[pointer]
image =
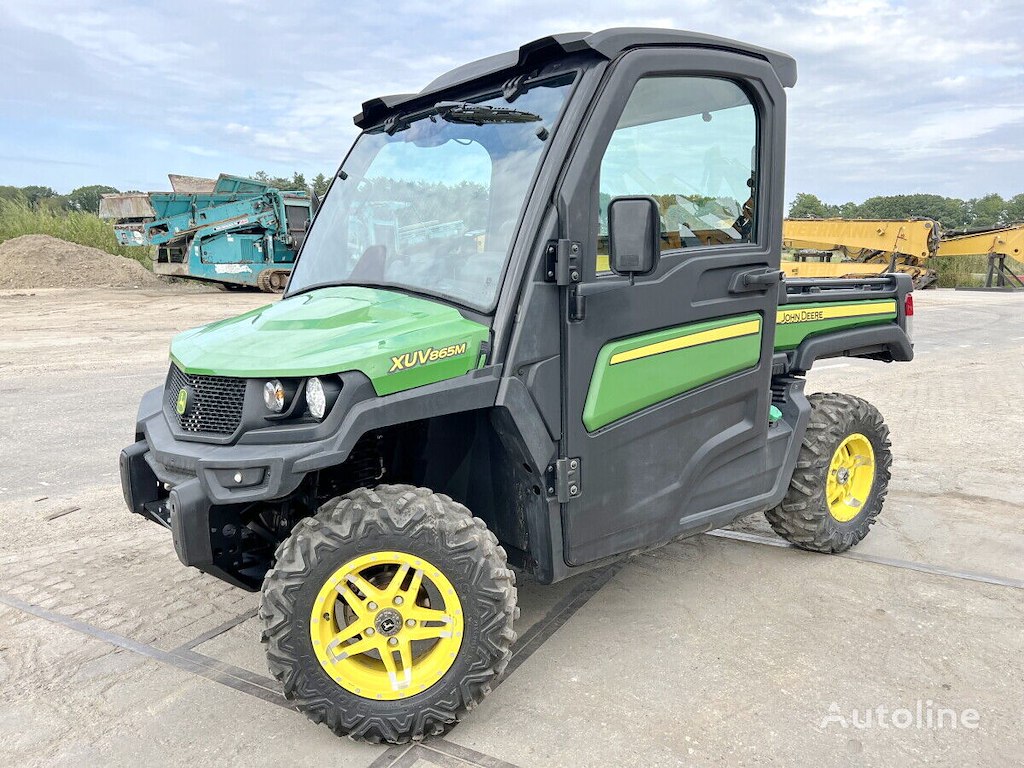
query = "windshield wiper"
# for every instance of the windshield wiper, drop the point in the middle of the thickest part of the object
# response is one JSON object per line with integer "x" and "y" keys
{"x": 464, "y": 112}
{"x": 480, "y": 114}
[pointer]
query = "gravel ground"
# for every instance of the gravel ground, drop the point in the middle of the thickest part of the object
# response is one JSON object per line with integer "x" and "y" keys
{"x": 710, "y": 651}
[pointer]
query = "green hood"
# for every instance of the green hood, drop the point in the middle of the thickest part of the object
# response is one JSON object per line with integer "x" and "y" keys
{"x": 397, "y": 340}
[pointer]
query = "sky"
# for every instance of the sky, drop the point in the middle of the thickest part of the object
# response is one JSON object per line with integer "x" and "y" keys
{"x": 893, "y": 96}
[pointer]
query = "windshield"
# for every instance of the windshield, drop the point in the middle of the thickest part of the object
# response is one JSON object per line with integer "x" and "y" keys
{"x": 431, "y": 203}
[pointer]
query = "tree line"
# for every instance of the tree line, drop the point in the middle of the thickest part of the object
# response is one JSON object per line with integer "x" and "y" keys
{"x": 318, "y": 185}
{"x": 45, "y": 199}
{"x": 952, "y": 213}
{"x": 87, "y": 199}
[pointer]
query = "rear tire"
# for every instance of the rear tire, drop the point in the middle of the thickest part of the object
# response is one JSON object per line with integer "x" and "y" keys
{"x": 841, "y": 476}
{"x": 323, "y": 585}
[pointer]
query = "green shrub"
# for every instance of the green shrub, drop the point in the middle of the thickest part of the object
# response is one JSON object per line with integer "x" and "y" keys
{"x": 960, "y": 271}
{"x": 74, "y": 226}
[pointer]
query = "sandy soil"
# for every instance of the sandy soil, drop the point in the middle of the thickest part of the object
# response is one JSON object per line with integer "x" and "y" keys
{"x": 41, "y": 261}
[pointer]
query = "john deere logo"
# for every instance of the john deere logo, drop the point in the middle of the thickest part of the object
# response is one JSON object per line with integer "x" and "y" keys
{"x": 182, "y": 405}
{"x": 388, "y": 622}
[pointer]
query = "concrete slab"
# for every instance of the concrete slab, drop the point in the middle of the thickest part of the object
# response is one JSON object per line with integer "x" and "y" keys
{"x": 956, "y": 419}
{"x": 73, "y": 700}
{"x": 717, "y": 652}
{"x": 709, "y": 651}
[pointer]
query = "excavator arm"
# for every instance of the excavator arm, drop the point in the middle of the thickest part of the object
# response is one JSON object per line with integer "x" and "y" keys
{"x": 871, "y": 247}
{"x": 868, "y": 247}
{"x": 998, "y": 245}
{"x": 916, "y": 239}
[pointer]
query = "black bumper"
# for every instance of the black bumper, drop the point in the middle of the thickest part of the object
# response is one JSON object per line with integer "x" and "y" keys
{"x": 184, "y": 509}
{"x": 142, "y": 491}
{"x": 192, "y": 488}
{"x": 200, "y": 489}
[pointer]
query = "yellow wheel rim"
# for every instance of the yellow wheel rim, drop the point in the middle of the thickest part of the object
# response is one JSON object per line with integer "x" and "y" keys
{"x": 850, "y": 477}
{"x": 386, "y": 625}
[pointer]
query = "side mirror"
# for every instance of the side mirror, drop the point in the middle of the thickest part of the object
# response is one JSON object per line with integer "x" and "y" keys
{"x": 634, "y": 235}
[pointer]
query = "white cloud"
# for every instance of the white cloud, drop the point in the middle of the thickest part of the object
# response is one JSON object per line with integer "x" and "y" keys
{"x": 858, "y": 9}
{"x": 894, "y": 95}
{"x": 961, "y": 125}
{"x": 192, "y": 149}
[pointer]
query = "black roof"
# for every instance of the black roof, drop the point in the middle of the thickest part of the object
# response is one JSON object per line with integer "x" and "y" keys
{"x": 608, "y": 44}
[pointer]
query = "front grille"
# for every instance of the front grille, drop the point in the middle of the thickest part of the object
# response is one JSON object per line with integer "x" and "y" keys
{"x": 214, "y": 402}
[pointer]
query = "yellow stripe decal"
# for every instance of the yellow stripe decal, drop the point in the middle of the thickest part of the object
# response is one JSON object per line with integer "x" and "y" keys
{"x": 747, "y": 328}
{"x": 813, "y": 314}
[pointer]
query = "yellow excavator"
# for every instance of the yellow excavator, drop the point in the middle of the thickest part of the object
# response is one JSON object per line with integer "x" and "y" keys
{"x": 998, "y": 244}
{"x": 861, "y": 247}
{"x": 869, "y": 247}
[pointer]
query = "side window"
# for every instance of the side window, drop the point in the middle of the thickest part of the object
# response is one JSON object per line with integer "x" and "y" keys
{"x": 690, "y": 142}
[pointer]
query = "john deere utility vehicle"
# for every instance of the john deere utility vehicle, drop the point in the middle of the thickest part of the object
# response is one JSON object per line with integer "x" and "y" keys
{"x": 587, "y": 349}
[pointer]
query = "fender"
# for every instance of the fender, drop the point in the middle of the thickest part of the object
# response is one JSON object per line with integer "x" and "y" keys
{"x": 885, "y": 342}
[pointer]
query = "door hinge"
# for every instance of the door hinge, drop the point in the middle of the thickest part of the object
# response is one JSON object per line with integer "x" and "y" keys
{"x": 577, "y": 305}
{"x": 563, "y": 263}
{"x": 565, "y": 479}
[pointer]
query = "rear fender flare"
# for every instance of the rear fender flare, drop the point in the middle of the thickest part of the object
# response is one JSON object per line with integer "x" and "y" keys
{"x": 889, "y": 342}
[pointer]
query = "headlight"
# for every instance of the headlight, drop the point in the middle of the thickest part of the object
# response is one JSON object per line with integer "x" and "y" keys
{"x": 321, "y": 395}
{"x": 316, "y": 398}
{"x": 274, "y": 395}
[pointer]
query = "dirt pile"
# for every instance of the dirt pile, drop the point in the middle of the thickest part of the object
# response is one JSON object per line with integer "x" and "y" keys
{"x": 41, "y": 261}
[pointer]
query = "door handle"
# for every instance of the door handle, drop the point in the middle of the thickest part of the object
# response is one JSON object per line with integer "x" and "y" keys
{"x": 760, "y": 279}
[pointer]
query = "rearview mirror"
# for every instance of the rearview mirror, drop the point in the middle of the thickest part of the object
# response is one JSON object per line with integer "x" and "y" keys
{"x": 634, "y": 235}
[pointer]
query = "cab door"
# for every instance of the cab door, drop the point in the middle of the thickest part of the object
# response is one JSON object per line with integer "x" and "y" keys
{"x": 667, "y": 381}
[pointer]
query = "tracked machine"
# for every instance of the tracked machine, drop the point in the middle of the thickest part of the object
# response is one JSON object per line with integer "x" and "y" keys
{"x": 234, "y": 231}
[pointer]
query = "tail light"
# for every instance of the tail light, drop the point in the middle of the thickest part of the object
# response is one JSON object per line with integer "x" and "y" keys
{"x": 908, "y": 313}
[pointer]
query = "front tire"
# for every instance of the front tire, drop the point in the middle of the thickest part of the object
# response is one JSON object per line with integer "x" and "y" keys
{"x": 388, "y": 613}
{"x": 841, "y": 476}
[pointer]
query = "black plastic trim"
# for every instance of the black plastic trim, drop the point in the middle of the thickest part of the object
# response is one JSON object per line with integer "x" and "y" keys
{"x": 138, "y": 482}
{"x": 607, "y": 44}
{"x": 882, "y": 341}
{"x": 515, "y": 398}
{"x": 295, "y": 451}
{"x": 473, "y": 391}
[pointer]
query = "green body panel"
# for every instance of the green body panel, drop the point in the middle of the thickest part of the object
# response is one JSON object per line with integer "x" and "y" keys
{"x": 617, "y": 390}
{"x": 397, "y": 340}
{"x": 788, "y": 335}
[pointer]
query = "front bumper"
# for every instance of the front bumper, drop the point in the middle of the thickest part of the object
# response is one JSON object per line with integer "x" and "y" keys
{"x": 184, "y": 509}
{"x": 182, "y": 485}
{"x": 199, "y": 489}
